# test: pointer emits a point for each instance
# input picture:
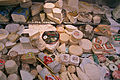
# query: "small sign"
(2, 62)
(29, 55)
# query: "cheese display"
(59, 40)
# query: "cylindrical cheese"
(75, 50)
(48, 7)
(57, 13)
(64, 38)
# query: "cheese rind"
(48, 7)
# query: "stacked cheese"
(53, 13)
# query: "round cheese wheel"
(77, 34)
(75, 50)
(113, 67)
(86, 45)
(3, 34)
(64, 38)
(48, 7)
(73, 42)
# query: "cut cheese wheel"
(62, 48)
(75, 50)
(64, 38)
(52, 18)
(70, 28)
(64, 59)
(48, 7)
(86, 45)
(57, 13)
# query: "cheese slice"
(64, 38)
(52, 18)
(48, 7)
(57, 13)
(42, 16)
(75, 50)
(62, 48)
(36, 8)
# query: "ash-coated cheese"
(75, 50)
(64, 38)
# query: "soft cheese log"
(81, 75)
(20, 15)
(48, 7)
(2, 76)
(11, 67)
(59, 4)
(57, 13)
(64, 38)
(36, 8)
(75, 50)
(62, 48)
(52, 18)
(86, 45)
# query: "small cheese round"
(48, 7)
(60, 29)
(86, 45)
(70, 28)
(71, 69)
(75, 50)
(63, 68)
(77, 34)
(64, 38)
(73, 42)
(2, 46)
